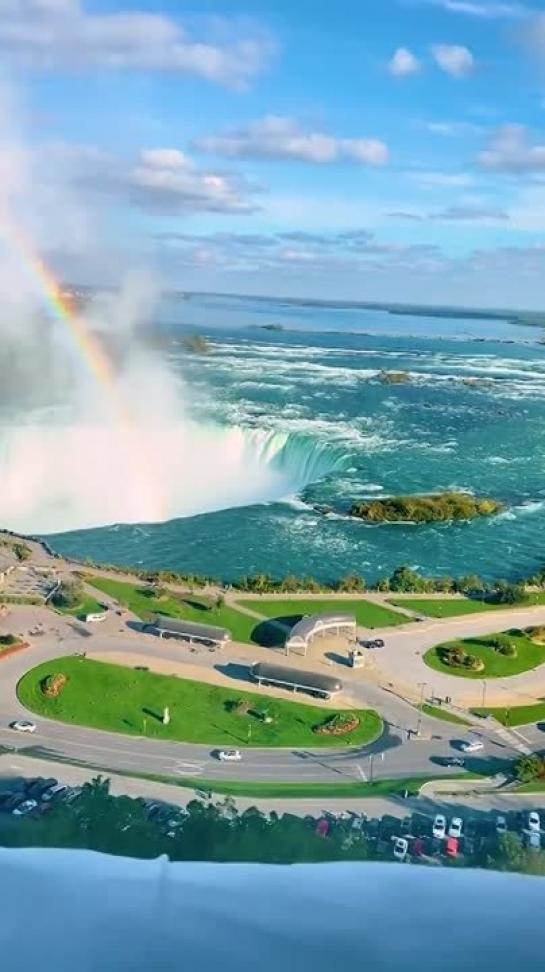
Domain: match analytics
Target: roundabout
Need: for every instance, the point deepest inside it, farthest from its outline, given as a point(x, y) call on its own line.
point(293, 755)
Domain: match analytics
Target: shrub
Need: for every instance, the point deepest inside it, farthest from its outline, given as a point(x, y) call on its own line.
point(339, 724)
point(457, 657)
point(529, 768)
point(8, 639)
point(53, 685)
point(536, 633)
point(503, 644)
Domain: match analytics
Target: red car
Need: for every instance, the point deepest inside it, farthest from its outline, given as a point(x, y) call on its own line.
point(451, 848)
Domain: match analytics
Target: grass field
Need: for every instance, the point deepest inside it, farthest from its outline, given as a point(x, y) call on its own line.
point(496, 665)
point(410, 784)
point(190, 607)
point(124, 700)
point(518, 715)
point(448, 607)
point(438, 713)
point(89, 605)
point(367, 614)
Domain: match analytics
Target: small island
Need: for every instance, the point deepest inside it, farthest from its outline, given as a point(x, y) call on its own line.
point(433, 508)
point(197, 344)
point(394, 377)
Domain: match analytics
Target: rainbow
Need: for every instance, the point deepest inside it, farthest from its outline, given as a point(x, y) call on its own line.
point(60, 306)
point(142, 479)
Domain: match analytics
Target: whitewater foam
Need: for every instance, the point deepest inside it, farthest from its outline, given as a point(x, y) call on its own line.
point(61, 476)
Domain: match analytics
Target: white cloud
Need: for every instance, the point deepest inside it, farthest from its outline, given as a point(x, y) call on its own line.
point(510, 150)
point(450, 180)
point(485, 9)
point(278, 137)
point(403, 63)
point(158, 179)
point(62, 35)
point(452, 129)
point(453, 59)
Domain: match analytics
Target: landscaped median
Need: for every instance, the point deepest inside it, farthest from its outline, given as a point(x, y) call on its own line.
point(404, 786)
point(488, 656)
point(517, 715)
point(130, 701)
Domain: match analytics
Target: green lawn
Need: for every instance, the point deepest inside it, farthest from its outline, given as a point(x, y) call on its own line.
point(89, 605)
point(438, 713)
point(455, 607)
point(447, 607)
point(188, 606)
point(518, 715)
point(367, 614)
point(496, 665)
point(124, 700)
point(321, 790)
point(536, 786)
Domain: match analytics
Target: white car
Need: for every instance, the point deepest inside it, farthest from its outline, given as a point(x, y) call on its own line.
point(501, 825)
point(401, 846)
point(472, 746)
point(27, 807)
point(455, 829)
point(229, 755)
point(21, 725)
point(439, 826)
point(534, 823)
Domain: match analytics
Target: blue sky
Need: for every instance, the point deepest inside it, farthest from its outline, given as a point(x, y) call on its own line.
point(362, 149)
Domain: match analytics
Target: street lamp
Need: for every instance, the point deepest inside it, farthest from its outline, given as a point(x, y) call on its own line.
point(372, 763)
point(419, 723)
point(484, 694)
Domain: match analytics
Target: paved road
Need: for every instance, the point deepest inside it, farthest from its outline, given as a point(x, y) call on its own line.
point(392, 756)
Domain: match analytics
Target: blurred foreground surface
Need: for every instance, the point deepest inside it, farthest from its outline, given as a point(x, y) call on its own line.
point(76, 909)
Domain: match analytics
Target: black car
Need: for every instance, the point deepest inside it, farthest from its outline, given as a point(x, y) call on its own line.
point(38, 787)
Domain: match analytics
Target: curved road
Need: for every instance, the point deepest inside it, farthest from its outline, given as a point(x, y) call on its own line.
point(394, 755)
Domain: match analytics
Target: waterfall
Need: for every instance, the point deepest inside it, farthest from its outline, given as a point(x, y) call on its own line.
point(59, 475)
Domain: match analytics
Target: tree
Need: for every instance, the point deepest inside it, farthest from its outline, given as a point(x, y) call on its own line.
point(351, 583)
point(405, 579)
point(505, 593)
point(69, 593)
point(529, 768)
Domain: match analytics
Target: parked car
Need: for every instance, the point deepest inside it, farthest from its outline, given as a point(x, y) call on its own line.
point(229, 755)
point(533, 822)
point(37, 789)
point(22, 725)
point(401, 846)
point(472, 746)
point(55, 792)
point(418, 846)
point(501, 825)
point(452, 847)
point(27, 806)
point(439, 828)
point(532, 840)
point(379, 643)
point(455, 829)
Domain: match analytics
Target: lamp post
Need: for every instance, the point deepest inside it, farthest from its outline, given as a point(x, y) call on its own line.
point(419, 723)
point(484, 694)
point(372, 763)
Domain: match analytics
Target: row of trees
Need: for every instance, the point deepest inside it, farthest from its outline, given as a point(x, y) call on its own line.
point(208, 831)
point(403, 580)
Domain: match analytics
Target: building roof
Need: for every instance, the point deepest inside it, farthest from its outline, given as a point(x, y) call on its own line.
point(313, 624)
point(295, 676)
point(208, 632)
